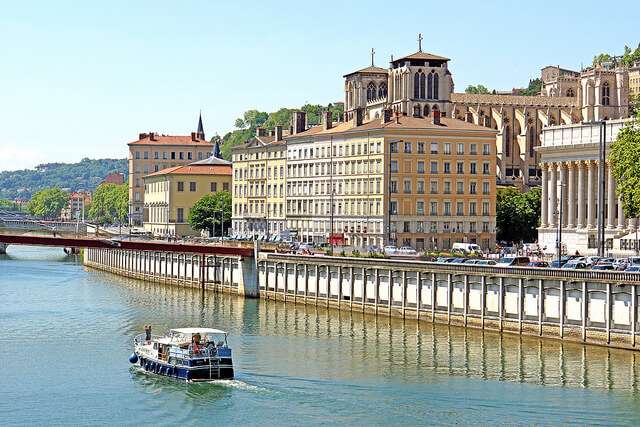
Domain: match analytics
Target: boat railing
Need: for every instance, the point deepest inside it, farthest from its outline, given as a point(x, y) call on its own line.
point(142, 338)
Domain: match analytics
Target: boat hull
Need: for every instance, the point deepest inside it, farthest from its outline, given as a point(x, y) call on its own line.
point(223, 371)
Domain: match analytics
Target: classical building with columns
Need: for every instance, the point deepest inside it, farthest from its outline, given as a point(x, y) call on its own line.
point(570, 168)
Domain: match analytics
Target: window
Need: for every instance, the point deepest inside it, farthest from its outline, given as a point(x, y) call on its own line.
point(407, 147)
point(485, 208)
point(156, 168)
point(192, 186)
point(434, 209)
point(473, 188)
point(472, 209)
point(420, 167)
point(485, 149)
point(434, 148)
point(532, 141)
point(460, 168)
point(382, 90)
point(459, 208)
point(180, 186)
point(459, 148)
point(418, 85)
point(436, 79)
point(200, 156)
point(447, 208)
point(393, 147)
point(430, 86)
point(485, 188)
point(393, 187)
point(181, 155)
point(420, 187)
point(394, 166)
point(225, 186)
point(173, 155)
point(406, 227)
point(420, 227)
point(507, 141)
point(137, 155)
point(180, 215)
point(146, 155)
point(420, 207)
point(485, 168)
point(459, 187)
point(420, 147)
point(447, 187)
point(393, 207)
point(371, 91)
point(156, 155)
point(472, 227)
point(434, 167)
point(485, 227)
point(605, 93)
point(472, 168)
point(571, 93)
point(447, 148)
point(434, 187)
point(473, 149)
point(447, 167)
point(407, 187)
point(214, 187)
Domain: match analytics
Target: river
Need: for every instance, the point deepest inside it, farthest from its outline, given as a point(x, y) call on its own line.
point(66, 332)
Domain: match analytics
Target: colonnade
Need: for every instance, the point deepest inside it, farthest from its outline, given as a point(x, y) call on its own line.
point(579, 180)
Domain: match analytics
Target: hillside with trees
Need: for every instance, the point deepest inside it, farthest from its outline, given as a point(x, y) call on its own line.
point(84, 175)
point(252, 119)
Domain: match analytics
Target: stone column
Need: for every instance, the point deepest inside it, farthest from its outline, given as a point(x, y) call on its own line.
point(563, 191)
point(611, 198)
point(553, 199)
point(544, 208)
point(581, 203)
point(621, 220)
point(571, 196)
point(591, 194)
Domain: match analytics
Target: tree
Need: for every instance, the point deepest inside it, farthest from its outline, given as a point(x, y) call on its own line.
point(110, 204)
point(599, 59)
point(479, 89)
point(518, 214)
point(534, 88)
point(206, 212)
point(48, 203)
point(625, 166)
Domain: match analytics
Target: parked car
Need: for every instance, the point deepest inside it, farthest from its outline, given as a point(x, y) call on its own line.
point(621, 264)
point(466, 248)
point(633, 268)
point(579, 265)
point(603, 266)
point(634, 260)
point(471, 261)
point(513, 261)
point(539, 264)
point(459, 260)
point(406, 250)
point(390, 250)
point(486, 262)
point(449, 260)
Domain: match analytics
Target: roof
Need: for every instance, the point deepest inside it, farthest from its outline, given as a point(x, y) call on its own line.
point(369, 70)
point(198, 331)
point(405, 122)
point(202, 169)
point(425, 56)
point(170, 140)
point(545, 101)
point(261, 141)
point(212, 161)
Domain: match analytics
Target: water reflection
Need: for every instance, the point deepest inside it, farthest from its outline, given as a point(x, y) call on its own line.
point(303, 341)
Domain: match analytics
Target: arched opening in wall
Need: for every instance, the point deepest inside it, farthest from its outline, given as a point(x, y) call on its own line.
point(349, 96)
point(430, 86)
point(382, 90)
point(426, 110)
point(418, 85)
point(371, 91)
point(605, 93)
point(436, 80)
point(417, 110)
point(532, 141)
point(507, 142)
point(571, 93)
point(469, 117)
point(487, 121)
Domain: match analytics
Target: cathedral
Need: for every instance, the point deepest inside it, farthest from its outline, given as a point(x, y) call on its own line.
point(421, 83)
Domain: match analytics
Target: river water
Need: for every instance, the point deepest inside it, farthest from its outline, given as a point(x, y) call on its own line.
point(66, 332)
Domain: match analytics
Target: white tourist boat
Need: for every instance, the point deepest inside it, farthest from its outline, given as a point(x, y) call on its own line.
point(191, 354)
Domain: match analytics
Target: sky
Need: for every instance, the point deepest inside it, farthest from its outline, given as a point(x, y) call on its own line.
point(82, 79)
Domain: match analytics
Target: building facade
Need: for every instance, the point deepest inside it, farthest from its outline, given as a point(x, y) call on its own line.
point(75, 210)
point(634, 80)
point(259, 178)
point(171, 193)
point(151, 153)
point(570, 176)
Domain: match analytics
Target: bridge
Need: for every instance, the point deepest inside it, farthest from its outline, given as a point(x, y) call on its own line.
point(138, 245)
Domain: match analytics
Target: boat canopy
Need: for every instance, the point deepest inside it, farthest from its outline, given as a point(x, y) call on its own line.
point(191, 331)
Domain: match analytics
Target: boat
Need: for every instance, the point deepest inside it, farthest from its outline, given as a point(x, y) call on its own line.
point(191, 354)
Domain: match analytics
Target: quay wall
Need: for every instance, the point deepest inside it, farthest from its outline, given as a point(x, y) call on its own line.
point(220, 273)
point(572, 305)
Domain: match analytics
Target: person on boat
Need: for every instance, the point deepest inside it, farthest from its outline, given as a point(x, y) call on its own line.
point(147, 332)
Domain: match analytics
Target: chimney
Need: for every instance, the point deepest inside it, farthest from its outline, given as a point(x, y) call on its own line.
point(358, 117)
point(142, 136)
point(152, 136)
point(299, 122)
point(386, 116)
point(278, 133)
point(397, 115)
point(193, 136)
point(327, 120)
point(436, 117)
point(261, 132)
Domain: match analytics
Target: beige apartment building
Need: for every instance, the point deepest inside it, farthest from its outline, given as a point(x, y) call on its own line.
point(152, 152)
point(170, 194)
point(634, 79)
point(259, 177)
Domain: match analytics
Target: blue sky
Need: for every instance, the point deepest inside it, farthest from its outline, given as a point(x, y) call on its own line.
point(81, 79)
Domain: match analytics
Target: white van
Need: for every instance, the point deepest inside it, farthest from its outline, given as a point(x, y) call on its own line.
point(466, 248)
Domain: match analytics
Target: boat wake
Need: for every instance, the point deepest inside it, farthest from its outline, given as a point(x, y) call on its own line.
point(236, 384)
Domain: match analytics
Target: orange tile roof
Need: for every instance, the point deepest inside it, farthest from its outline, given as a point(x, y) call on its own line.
point(544, 101)
point(170, 140)
point(194, 170)
point(369, 70)
point(426, 56)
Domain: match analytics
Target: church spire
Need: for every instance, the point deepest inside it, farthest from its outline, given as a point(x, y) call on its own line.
point(200, 132)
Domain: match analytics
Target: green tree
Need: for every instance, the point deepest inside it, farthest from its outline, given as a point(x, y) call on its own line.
point(625, 166)
point(282, 117)
point(48, 203)
point(599, 59)
point(206, 212)
point(534, 88)
point(479, 89)
point(110, 204)
point(518, 214)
